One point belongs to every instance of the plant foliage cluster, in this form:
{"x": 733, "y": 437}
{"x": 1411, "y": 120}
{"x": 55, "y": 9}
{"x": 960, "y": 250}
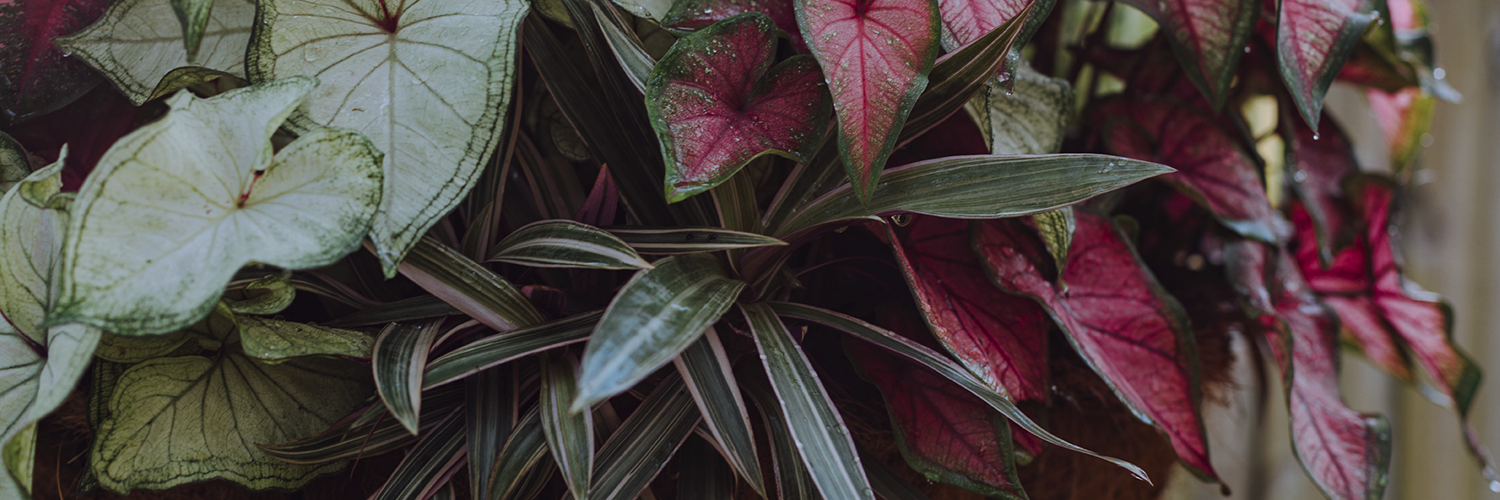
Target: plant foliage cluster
{"x": 568, "y": 245}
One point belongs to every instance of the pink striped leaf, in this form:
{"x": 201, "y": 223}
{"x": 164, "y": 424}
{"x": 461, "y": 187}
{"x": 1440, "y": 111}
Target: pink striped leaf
{"x": 1313, "y": 38}
{"x": 1209, "y": 36}
{"x": 943, "y": 431}
{"x": 1002, "y": 338}
{"x": 876, "y": 55}
{"x": 1212, "y": 167}
{"x": 1120, "y": 320}
{"x": 965, "y": 21}
{"x": 1344, "y": 452}
{"x": 716, "y": 103}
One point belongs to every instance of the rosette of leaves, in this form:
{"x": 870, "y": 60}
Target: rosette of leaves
{"x": 799, "y": 204}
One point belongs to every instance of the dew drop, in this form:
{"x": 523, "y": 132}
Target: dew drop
{"x": 1439, "y": 73}
{"x": 1316, "y": 137}
{"x": 309, "y": 56}
{"x": 1495, "y": 486}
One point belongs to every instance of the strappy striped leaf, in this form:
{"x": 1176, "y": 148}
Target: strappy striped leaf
{"x": 564, "y": 243}
{"x": 400, "y": 358}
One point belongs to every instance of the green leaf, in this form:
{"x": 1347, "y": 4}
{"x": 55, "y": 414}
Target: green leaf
{"x": 1027, "y": 115}
{"x": 645, "y": 441}
{"x": 526, "y": 446}
{"x": 683, "y": 240}
{"x": 1056, "y": 228}
{"x": 793, "y": 482}
{"x": 570, "y": 436}
{"x": 564, "y": 243}
{"x": 979, "y": 187}
{"x": 176, "y": 207}
{"x": 19, "y": 457}
{"x": 186, "y": 419}
{"x": 496, "y": 349}
{"x": 703, "y": 473}
{"x": 352, "y": 440}
{"x": 428, "y": 466}
{"x": 432, "y": 101}
{"x": 656, "y": 315}
{"x": 274, "y": 340}
{"x": 627, "y": 47}
{"x": 492, "y": 399}
{"x": 193, "y": 16}
{"x": 15, "y": 163}
{"x": 710, "y": 378}
{"x": 38, "y": 366}
{"x": 138, "y": 44}
{"x": 268, "y": 295}
{"x": 122, "y": 349}
{"x": 415, "y": 308}
{"x": 469, "y": 287}
{"x": 943, "y": 366}
{"x": 654, "y": 10}
{"x": 400, "y": 359}
{"x": 822, "y": 439}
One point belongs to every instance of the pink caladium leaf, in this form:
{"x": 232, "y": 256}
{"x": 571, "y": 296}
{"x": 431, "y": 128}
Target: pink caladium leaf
{"x": 1120, "y": 320}
{"x": 876, "y": 55}
{"x": 1317, "y": 166}
{"x": 37, "y": 77}
{"x": 1002, "y": 338}
{"x": 1344, "y": 452}
{"x": 1212, "y": 167}
{"x": 942, "y": 430}
{"x": 964, "y": 21}
{"x": 1404, "y": 116}
{"x": 716, "y": 103}
{"x": 694, "y": 15}
{"x": 1313, "y": 38}
{"x": 1209, "y": 36}
{"x": 108, "y": 115}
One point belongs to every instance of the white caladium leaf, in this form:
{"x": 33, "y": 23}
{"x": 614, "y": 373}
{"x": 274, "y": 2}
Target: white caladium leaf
{"x": 176, "y": 207}
{"x": 137, "y": 43}
{"x": 429, "y": 82}
{"x": 38, "y": 366}
{"x": 1030, "y": 118}
{"x": 185, "y": 419}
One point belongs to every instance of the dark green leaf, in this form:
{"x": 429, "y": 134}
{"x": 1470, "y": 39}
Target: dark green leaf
{"x": 427, "y": 467}
{"x": 525, "y": 447}
{"x": 960, "y": 74}
{"x": 636, "y": 453}
{"x": 822, "y": 439}
{"x": 355, "y": 439}
{"x": 656, "y": 315}
{"x": 415, "y": 308}
{"x": 681, "y": 240}
{"x": 704, "y": 475}
{"x": 706, "y": 369}
{"x": 570, "y": 436}
{"x": 793, "y": 482}
{"x": 564, "y": 243}
{"x": 491, "y": 403}
{"x": 468, "y": 286}
{"x": 400, "y": 358}
{"x": 496, "y": 349}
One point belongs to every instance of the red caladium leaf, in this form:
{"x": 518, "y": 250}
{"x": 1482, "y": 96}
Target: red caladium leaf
{"x": 1128, "y": 329}
{"x": 1346, "y": 453}
{"x": 964, "y": 21}
{"x": 1212, "y": 167}
{"x": 1313, "y": 38}
{"x": 1405, "y": 117}
{"x": 108, "y": 115}
{"x": 693, "y": 15}
{"x": 1317, "y": 167}
{"x": 1026, "y": 445}
{"x": 876, "y": 55}
{"x": 942, "y": 430}
{"x": 1209, "y": 36}
{"x": 37, "y": 77}
{"x": 716, "y": 103}
{"x": 1002, "y": 338}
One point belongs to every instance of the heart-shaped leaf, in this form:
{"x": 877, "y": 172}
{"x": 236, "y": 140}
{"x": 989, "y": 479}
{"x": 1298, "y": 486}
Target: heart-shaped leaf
{"x": 137, "y": 43}
{"x": 394, "y": 71}
{"x": 716, "y": 103}
{"x": 176, "y": 207}
{"x": 693, "y": 15}
{"x": 943, "y": 431}
{"x": 1209, "y": 36}
{"x": 37, "y": 77}
{"x": 38, "y": 366}
{"x": 1313, "y": 38}
{"x": 1346, "y": 453}
{"x": 1211, "y": 166}
{"x": 656, "y": 315}
{"x": 875, "y": 56}
{"x": 179, "y": 420}
{"x": 1129, "y": 330}
{"x": 1002, "y": 338}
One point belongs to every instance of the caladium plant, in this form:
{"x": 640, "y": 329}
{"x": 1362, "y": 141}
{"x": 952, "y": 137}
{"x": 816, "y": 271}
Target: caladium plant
{"x": 670, "y": 244}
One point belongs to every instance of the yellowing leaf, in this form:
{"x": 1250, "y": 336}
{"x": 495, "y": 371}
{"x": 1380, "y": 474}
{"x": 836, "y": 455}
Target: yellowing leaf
{"x": 185, "y": 419}
{"x": 38, "y": 366}
{"x": 428, "y": 82}
{"x": 137, "y": 43}
{"x": 176, "y": 207}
